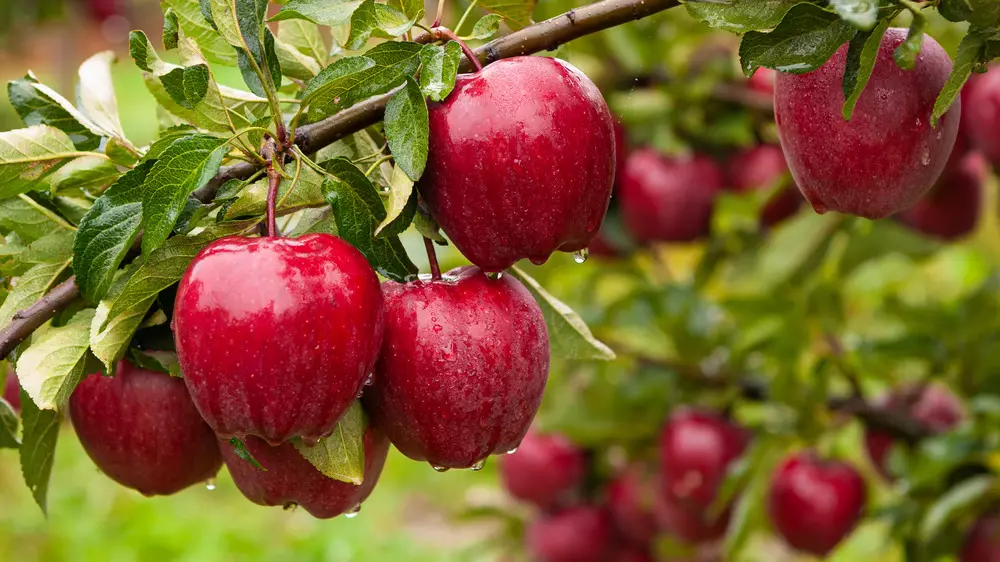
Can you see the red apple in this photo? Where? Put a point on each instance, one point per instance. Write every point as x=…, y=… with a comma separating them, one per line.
x=521, y=162
x=984, y=114
x=631, y=497
x=937, y=409
x=462, y=369
x=762, y=81
x=141, y=429
x=276, y=336
x=951, y=209
x=579, y=534
x=289, y=479
x=982, y=542
x=692, y=525
x=760, y=168
x=888, y=155
x=544, y=470
x=12, y=390
x=632, y=554
x=668, y=199
x=814, y=504
x=696, y=450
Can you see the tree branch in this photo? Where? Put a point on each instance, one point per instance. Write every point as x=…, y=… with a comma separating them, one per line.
x=546, y=35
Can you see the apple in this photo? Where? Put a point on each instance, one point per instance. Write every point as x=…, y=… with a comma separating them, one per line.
x=276, y=336
x=668, y=199
x=462, y=368
x=289, y=479
x=690, y=524
x=762, y=81
x=937, y=409
x=142, y=430
x=696, y=449
x=12, y=390
x=888, y=155
x=814, y=504
x=545, y=469
x=631, y=496
x=984, y=114
x=631, y=554
x=982, y=541
x=951, y=209
x=578, y=534
x=521, y=162
x=761, y=168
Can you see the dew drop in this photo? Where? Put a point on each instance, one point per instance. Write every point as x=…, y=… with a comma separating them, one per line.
x=512, y=451
x=440, y=468
x=210, y=484
x=581, y=255
x=925, y=156
x=370, y=380
x=354, y=511
x=290, y=506
x=478, y=465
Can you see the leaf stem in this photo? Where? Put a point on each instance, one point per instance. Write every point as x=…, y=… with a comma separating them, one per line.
x=440, y=10
x=432, y=259
x=468, y=11
x=444, y=32
x=376, y=164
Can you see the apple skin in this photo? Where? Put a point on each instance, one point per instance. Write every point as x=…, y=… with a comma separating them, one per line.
x=577, y=534
x=984, y=114
x=291, y=479
x=521, y=162
x=814, y=504
x=12, y=390
x=951, y=210
x=142, y=430
x=888, y=155
x=758, y=168
x=631, y=497
x=696, y=449
x=462, y=369
x=632, y=555
x=982, y=541
x=668, y=199
x=276, y=336
x=544, y=470
x=937, y=409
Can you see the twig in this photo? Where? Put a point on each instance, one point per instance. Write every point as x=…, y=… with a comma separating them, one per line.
x=30, y=319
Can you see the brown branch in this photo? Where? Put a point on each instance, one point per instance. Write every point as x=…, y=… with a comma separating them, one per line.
x=30, y=319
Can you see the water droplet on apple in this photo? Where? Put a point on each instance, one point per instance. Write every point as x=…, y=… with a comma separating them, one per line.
x=290, y=506
x=925, y=156
x=581, y=255
x=210, y=484
x=440, y=468
x=370, y=380
x=478, y=465
x=512, y=451
x=354, y=511
x=438, y=327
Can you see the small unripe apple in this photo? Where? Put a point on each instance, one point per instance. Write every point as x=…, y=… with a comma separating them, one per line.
x=544, y=470
x=12, y=390
x=578, y=534
x=288, y=479
x=887, y=155
x=761, y=168
x=951, y=209
x=696, y=449
x=814, y=504
x=277, y=336
x=142, y=430
x=462, y=369
x=982, y=541
x=521, y=162
x=984, y=114
x=631, y=497
x=668, y=199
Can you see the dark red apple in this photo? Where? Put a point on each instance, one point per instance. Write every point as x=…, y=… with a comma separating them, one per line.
x=276, y=336
x=937, y=409
x=696, y=449
x=982, y=541
x=888, y=155
x=668, y=199
x=290, y=479
x=521, y=162
x=579, y=534
x=984, y=114
x=690, y=524
x=141, y=429
x=631, y=497
x=951, y=209
x=462, y=369
x=632, y=554
x=544, y=470
x=12, y=390
x=762, y=81
x=814, y=504
x=761, y=168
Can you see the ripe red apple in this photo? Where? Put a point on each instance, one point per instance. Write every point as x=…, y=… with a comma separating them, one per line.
x=12, y=390
x=290, y=479
x=690, y=524
x=521, y=162
x=984, y=114
x=762, y=81
x=544, y=470
x=760, y=168
x=951, y=209
x=276, y=336
x=937, y=409
x=814, y=504
x=579, y=534
x=668, y=199
x=982, y=541
x=462, y=369
x=141, y=429
x=888, y=155
x=631, y=497
x=696, y=449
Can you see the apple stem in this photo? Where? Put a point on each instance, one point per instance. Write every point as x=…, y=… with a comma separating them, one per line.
x=444, y=32
x=274, y=179
x=432, y=259
x=440, y=11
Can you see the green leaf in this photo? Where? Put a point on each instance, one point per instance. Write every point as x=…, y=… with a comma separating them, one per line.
x=30, y=287
x=27, y=218
x=305, y=36
x=861, y=56
x=358, y=210
x=193, y=24
x=92, y=173
x=970, y=53
x=159, y=361
x=121, y=152
x=186, y=165
x=54, y=248
x=29, y=155
x=407, y=129
x=242, y=23
x=905, y=54
x=171, y=29
x=295, y=63
x=324, y=12
x=427, y=227
x=486, y=27
x=38, y=105
x=293, y=194
x=240, y=448
x=381, y=20
x=439, y=67
x=742, y=16
x=412, y=8
x=107, y=231
x=806, y=37
x=97, y=94
x=569, y=336
x=10, y=426
x=516, y=11
x=54, y=364
x=954, y=504
x=401, y=207
x=340, y=456
x=749, y=513
x=38, y=448
x=352, y=79
x=109, y=339
x=862, y=13
x=187, y=85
